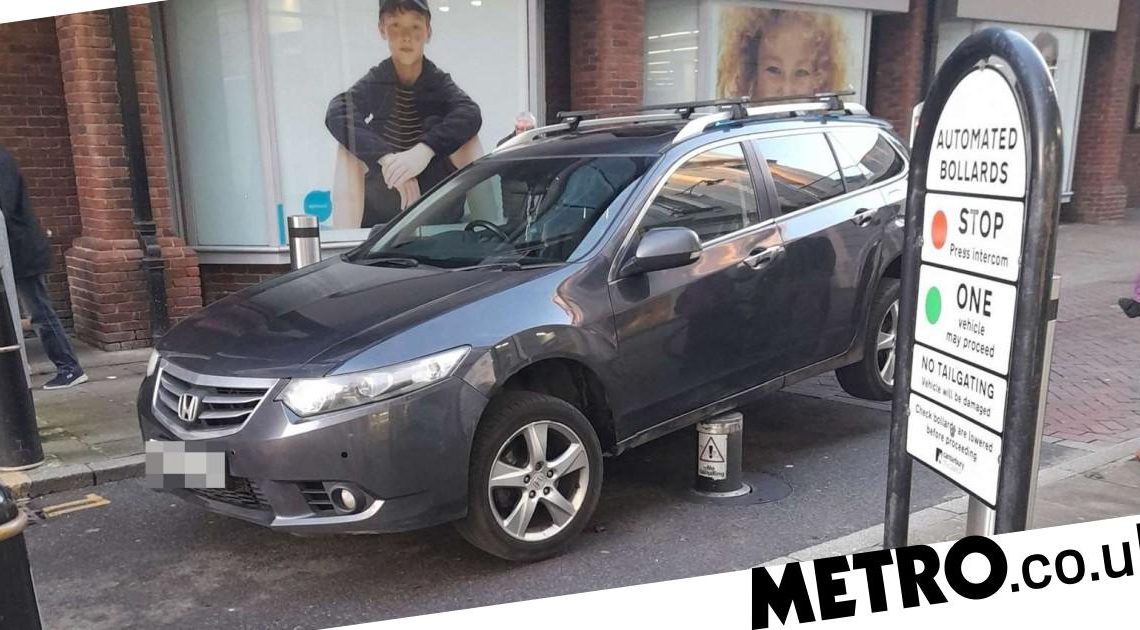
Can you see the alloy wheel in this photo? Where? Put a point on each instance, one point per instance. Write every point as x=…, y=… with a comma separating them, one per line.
x=538, y=481
x=888, y=333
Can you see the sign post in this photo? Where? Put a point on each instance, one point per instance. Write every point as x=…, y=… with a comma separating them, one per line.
x=977, y=268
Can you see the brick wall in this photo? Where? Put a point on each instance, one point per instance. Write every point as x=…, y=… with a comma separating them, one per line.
x=1100, y=193
x=109, y=297
x=1132, y=138
x=219, y=281
x=607, y=53
x=33, y=127
x=898, y=58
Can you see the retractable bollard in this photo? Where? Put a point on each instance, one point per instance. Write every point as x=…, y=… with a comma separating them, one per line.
x=18, y=606
x=304, y=241
x=720, y=451
x=20, y=447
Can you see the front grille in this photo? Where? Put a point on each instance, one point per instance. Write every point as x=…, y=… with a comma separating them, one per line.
x=239, y=492
x=220, y=406
x=317, y=497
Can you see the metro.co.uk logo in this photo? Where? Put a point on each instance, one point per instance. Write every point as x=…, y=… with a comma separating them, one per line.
x=973, y=568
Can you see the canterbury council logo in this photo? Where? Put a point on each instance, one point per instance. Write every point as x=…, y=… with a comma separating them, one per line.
x=188, y=407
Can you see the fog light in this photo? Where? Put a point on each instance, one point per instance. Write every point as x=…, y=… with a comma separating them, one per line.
x=345, y=500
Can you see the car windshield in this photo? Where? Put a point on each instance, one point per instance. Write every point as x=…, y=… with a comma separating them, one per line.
x=516, y=212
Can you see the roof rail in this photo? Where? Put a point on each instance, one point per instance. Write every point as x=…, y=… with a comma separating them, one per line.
x=731, y=109
x=581, y=121
x=827, y=102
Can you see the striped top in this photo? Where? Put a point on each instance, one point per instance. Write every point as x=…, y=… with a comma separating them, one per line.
x=404, y=128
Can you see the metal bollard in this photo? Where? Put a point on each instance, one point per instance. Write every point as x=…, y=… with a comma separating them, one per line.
x=20, y=447
x=720, y=447
x=18, y=606
x=304, y=241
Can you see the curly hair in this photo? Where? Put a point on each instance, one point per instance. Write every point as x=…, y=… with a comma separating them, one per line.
x=743, y=29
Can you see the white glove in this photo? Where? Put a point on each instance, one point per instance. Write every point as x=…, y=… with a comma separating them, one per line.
x=400, y=167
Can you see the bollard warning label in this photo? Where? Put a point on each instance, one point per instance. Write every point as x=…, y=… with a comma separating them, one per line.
x=711, y=462
x=960, y=450
x=966, y=316
x=974, y=234
x=970, y=391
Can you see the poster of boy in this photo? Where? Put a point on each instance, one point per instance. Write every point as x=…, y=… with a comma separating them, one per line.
x=405, y=120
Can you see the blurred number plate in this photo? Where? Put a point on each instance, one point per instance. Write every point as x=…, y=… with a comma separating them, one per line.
x=178, y=465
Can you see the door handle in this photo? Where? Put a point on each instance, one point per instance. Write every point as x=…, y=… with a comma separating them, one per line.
x=865, y=217
x=761, y=257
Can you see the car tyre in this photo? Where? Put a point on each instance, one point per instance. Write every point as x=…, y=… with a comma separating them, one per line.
x=523, y=505
x=872, y=378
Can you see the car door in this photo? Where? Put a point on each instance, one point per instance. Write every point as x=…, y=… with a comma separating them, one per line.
x=693, y=335
x=829, y=231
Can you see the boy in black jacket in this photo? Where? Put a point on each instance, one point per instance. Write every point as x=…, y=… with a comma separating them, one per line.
x=405, y=118
x=31, y=259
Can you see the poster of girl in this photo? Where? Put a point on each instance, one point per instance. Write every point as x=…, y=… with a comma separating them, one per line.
x=764, y=52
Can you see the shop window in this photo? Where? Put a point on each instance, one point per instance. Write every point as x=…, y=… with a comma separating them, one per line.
x=711, y=194
x=727, y=49
x=803, y=169
x=286, y=107
x=866, y=157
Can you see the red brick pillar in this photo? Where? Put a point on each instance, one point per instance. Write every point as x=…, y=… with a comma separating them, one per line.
x=899, y=53
x=607, y=53
x=108, y=288
x=1100, y=195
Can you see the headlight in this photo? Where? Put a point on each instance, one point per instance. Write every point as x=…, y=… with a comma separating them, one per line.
x=311, y=396
x=152, y=363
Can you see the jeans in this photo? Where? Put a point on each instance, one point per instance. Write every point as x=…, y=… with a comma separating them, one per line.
x=33, y=293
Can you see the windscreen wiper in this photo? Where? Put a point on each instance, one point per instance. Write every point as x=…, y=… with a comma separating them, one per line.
x=509, y=266
x=388, y=261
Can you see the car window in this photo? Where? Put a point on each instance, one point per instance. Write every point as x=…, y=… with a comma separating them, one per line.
x=711, y=194
x=866, y=156
x=803, y=168
x=535, y=211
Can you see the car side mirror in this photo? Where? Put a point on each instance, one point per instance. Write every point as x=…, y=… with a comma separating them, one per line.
x=663, y=248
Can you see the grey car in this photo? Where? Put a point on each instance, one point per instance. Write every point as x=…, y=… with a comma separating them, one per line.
x=611, y=280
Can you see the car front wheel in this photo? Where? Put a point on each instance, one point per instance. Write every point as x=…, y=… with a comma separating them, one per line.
x=535, y=477
x=873, y=378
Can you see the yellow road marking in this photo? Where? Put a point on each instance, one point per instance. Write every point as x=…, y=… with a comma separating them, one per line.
x=86, y=503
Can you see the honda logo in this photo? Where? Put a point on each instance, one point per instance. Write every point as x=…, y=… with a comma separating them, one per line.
x=188, y=407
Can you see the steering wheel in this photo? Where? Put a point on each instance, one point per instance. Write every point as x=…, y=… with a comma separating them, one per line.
x=490, y=227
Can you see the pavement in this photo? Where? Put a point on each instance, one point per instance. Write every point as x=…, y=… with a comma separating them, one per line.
x=1091, y=487
x=89, y=433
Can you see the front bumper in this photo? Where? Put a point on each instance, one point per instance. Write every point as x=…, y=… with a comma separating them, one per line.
x=408, y=455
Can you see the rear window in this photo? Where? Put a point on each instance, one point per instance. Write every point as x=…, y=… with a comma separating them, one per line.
x=803, y=168
x=866, y=157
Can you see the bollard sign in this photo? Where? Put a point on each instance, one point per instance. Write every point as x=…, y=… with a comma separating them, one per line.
x=967, y=292
x=980, y=240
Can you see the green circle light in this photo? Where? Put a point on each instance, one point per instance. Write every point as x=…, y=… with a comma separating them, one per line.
x=933, y=305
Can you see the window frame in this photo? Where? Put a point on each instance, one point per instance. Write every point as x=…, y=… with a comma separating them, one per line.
x=899, y=149
x=771, y=181
x=758, y=215
x=836, y=145
x=765, y=196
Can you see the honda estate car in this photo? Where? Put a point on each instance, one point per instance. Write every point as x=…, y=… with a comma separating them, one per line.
x=611, y=280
